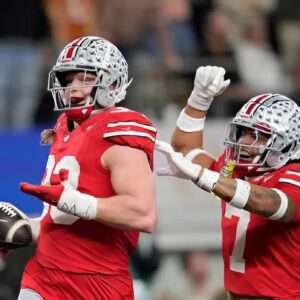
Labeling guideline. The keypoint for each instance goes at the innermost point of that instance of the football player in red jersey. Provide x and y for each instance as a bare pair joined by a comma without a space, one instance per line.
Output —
258,179
98,186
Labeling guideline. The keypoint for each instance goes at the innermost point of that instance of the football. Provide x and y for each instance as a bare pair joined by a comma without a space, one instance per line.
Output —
15,229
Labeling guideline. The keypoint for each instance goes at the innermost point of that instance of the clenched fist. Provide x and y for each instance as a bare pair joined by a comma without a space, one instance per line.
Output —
209,82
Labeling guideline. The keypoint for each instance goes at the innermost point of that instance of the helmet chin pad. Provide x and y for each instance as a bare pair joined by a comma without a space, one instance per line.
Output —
80,114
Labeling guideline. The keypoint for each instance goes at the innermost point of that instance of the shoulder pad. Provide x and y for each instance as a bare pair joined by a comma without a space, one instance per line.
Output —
130,128
290,175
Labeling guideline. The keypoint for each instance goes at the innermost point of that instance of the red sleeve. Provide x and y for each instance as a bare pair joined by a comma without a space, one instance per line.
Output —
130,128
289,183
218,164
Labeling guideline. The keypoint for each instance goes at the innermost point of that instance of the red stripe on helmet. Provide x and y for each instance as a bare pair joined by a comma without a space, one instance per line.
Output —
256,102
76,42
70,52
73,47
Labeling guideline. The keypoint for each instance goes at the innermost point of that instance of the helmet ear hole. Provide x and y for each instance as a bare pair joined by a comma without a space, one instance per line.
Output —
288,148
118,83
114,85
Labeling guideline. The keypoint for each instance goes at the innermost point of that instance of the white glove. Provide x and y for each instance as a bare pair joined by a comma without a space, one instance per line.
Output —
209,82
178,165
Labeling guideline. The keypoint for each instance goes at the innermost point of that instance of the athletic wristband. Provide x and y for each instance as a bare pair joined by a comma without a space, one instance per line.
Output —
208,180
189,124
241,194
282,208
78,204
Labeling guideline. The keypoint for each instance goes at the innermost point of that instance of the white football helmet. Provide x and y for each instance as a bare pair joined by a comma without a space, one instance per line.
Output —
95,55
278,118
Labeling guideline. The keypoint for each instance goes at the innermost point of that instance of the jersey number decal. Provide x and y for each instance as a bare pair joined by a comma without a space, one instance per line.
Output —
237,261
71,164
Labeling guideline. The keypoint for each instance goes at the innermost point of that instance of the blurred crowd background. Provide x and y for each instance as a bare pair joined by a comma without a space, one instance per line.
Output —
164,41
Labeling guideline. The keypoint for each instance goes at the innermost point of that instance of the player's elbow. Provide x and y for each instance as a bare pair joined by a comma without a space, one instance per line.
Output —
148,223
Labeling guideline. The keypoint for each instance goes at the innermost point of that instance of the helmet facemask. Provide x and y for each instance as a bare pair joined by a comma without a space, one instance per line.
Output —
61,92
235,150
90,55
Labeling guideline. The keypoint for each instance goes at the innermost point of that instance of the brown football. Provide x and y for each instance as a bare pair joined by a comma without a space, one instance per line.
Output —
15,230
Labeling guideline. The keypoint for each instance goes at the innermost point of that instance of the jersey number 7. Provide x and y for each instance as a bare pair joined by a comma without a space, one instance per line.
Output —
237,261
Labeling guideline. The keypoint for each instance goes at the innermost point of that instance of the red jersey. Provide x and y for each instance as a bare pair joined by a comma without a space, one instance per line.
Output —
75,245
261,257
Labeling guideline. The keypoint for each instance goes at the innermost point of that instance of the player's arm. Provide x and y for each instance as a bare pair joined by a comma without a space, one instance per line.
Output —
265,202
190,143
134,205
270,203
188,134
184,140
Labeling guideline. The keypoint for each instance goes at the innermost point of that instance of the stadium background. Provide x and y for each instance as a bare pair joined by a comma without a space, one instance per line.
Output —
164,41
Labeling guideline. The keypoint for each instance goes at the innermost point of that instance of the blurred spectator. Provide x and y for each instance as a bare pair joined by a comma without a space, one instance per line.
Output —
218,50
242,9
22,28
145,261
188,281
143,33
287,23
143,266
157,71
200,10
11,269
295,76
177,14
260,68
68,19
138,22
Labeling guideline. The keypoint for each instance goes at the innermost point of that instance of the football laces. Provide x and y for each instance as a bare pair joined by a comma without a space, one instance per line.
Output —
7,209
